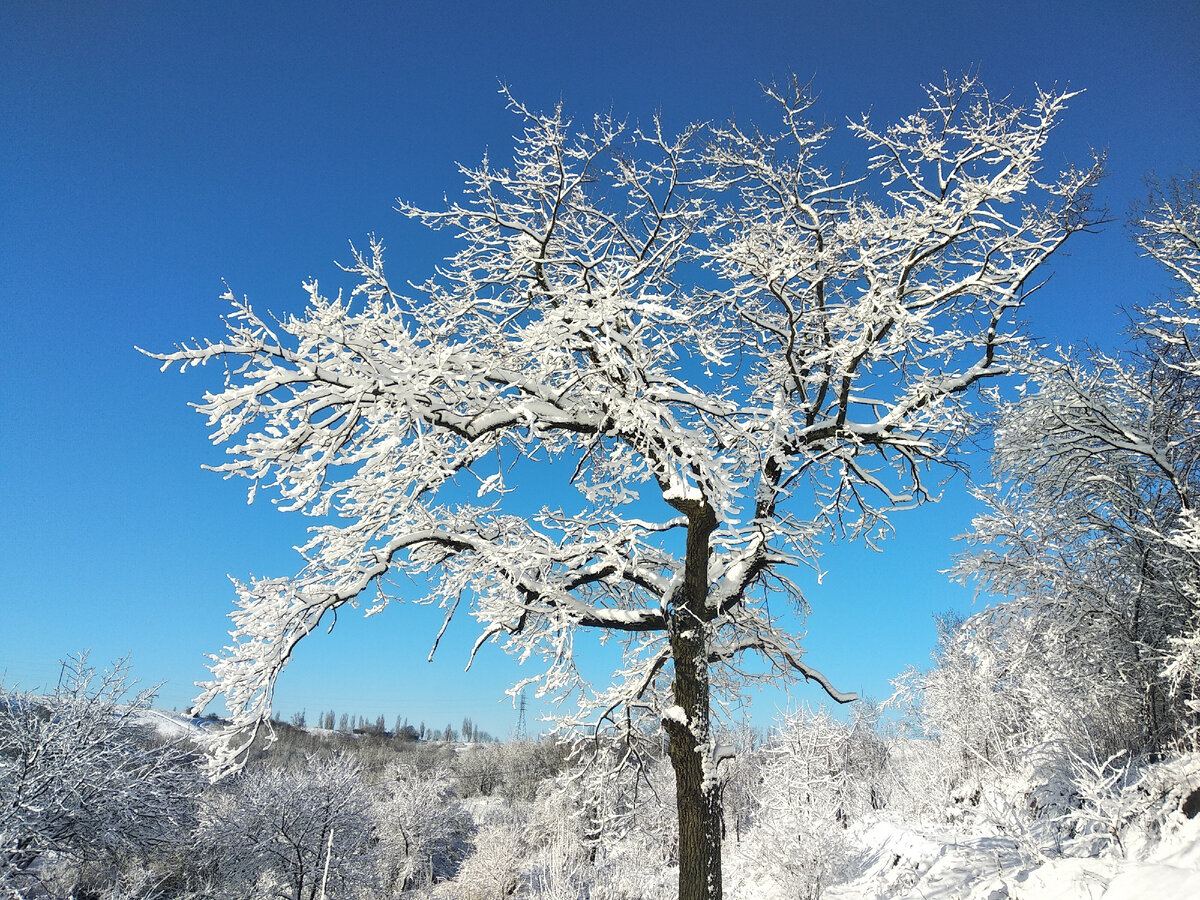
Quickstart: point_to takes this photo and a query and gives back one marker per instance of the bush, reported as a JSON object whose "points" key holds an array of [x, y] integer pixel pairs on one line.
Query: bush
{"points": [[84, 785], [425, 831], [274, 830]]}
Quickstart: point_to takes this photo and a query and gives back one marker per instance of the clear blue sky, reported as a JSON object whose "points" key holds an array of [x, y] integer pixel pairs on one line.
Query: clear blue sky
{"points": [[149, 150]]}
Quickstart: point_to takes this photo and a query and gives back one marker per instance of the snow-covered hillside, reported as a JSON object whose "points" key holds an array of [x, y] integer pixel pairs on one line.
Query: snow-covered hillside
{"points": [[170, 725]]}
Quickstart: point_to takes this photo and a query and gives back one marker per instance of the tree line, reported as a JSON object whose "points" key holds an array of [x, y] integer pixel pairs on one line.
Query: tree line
{"points": [[401, 730], [97, 806]]}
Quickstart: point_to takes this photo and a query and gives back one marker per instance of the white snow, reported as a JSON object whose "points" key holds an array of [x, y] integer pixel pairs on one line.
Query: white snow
{"points": [[675, 714], [169, 725], [1154, 882], [680, 490], [1158, 858]]}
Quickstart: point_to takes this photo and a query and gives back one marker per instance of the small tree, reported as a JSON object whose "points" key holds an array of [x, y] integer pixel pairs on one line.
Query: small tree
{"points": [[268, 832], [818, 776], [424, 828], [720, 349]]}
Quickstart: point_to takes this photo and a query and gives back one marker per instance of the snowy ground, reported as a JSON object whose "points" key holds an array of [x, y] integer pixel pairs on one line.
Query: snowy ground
{"points": [[1155, 856], [904, 864], [169, 725]]}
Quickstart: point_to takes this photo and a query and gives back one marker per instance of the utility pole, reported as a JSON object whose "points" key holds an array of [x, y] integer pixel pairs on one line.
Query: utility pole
{"points": [[519, 732]]}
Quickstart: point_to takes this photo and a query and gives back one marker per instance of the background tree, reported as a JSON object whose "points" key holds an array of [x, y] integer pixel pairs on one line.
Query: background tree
{"points": [[727, 351], [1088, 529]]}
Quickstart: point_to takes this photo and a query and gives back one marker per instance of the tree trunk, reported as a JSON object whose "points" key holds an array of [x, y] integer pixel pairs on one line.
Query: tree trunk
{"points": [[697, 791], [697, 796]]}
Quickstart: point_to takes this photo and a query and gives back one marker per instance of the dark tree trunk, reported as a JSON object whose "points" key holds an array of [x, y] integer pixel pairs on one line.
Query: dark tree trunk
{"points": [[697, 795], [697, 792]]}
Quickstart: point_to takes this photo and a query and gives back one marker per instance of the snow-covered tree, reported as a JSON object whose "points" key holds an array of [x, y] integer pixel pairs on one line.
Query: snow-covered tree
{"points": [[741, 778], [992, 729], [610, 825], [283, 832], [818, 776], [1168, 231], [493, 871], [718, 350], [81, 778], [424, 828], [1090, 518]]}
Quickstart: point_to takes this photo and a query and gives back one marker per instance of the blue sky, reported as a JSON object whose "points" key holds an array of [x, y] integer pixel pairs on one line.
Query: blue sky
{"points": [[150, 150]]}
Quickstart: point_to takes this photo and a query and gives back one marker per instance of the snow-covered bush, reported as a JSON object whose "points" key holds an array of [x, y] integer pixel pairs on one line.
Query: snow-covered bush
{"points": [[1105, 802], [424, 829], [273, 831], [478, 770], [818, 775], [559, 869], [628, 816], [602, 831], [83, 783], [967, 703], [1016, 732], [1182, 671], [493, 871], [1008, 700], [524, 765]]}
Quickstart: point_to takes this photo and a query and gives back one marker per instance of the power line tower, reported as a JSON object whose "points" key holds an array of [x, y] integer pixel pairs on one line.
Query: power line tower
{"points": [[519, 731]]}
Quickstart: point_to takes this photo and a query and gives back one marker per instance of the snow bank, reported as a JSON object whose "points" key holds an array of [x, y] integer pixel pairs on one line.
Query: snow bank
{"points": [[1155, 854], [1154, 882]]}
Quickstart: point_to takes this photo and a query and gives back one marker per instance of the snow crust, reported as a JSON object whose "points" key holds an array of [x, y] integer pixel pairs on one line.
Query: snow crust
{"points": [[170, 725]]}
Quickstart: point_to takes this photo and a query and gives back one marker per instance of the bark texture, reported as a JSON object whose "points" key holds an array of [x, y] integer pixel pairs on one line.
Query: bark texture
{"points": [[697, 794]]}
